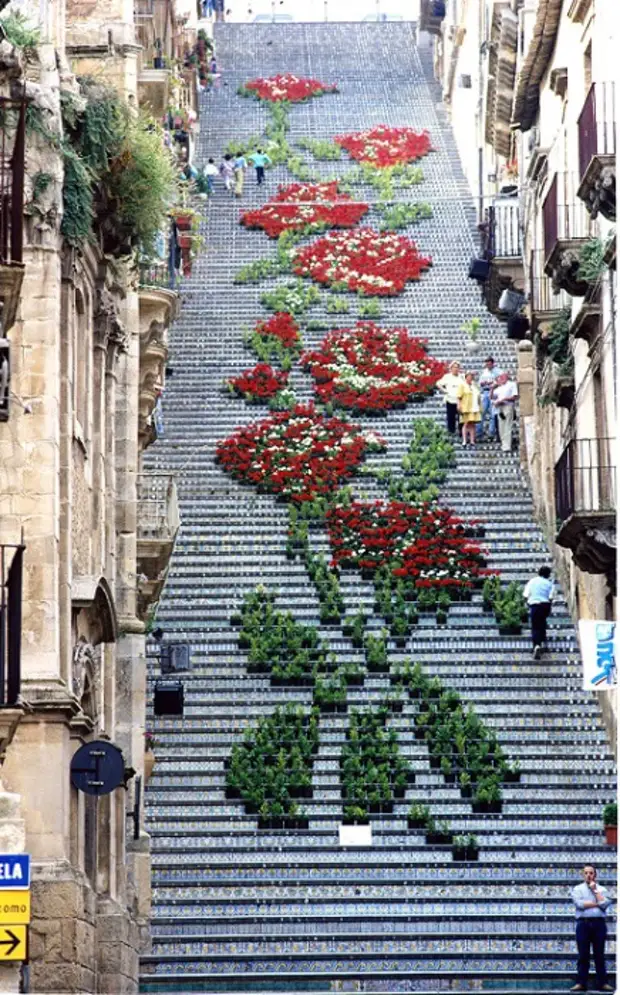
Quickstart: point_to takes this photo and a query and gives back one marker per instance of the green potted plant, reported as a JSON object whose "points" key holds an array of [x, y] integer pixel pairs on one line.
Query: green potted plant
{"points": [[472, 329], [419, 817], [465, 847], [439, 834], [610, 822]]}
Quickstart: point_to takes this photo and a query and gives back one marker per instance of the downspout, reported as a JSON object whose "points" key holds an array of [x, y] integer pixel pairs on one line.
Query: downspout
{"points": [[458, 41]]}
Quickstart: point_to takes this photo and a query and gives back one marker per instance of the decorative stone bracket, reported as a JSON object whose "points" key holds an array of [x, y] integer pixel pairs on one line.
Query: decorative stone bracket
{"points": [[157, 309], [592, 541], [563, 266]]}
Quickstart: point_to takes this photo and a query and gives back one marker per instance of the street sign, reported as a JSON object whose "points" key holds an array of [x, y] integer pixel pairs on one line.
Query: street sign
{"points": [[13, 943], [14, 907], [14, 870]]}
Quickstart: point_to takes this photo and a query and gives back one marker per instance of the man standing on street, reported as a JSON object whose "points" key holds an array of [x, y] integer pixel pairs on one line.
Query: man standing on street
{"points": [[538, 592], [488, 380], [591, 904], [503, 398]]}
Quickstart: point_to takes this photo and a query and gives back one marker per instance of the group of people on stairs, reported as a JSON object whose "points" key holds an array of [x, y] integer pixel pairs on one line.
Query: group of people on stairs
{"points": [[492, 397], [232, 171]]}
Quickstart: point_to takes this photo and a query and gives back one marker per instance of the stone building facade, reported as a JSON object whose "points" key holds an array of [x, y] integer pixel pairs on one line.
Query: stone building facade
{"points": [[86, 346], [538, 77]]}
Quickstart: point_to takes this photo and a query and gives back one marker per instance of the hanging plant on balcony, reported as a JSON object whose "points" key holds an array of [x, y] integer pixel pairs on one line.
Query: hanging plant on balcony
{"points": [[306, 207], [285, 87], [383, 146], [371, 369], [363, 261], [297, 454]]}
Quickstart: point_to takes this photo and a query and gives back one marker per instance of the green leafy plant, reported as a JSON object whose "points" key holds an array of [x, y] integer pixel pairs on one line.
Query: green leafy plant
{"points": [[337, 305], [591, 260], [19, 31], [294, 297], [472, 329], [327, 151], [395, 216], [371, 309], [610, 814]]}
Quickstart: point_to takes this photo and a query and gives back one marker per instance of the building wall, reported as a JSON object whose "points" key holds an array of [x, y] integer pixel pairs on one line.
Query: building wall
{"points": [[68, 481]]}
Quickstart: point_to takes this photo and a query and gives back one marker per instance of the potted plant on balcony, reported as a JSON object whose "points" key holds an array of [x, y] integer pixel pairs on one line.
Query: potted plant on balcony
{"points": [[149, 755], [610, 822]]}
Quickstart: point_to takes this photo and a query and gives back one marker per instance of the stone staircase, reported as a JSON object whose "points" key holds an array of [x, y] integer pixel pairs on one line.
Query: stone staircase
{"points": [[236, 909]]}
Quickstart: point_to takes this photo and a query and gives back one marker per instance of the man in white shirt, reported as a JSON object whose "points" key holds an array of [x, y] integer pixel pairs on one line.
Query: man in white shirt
{"points": [[591, 903], [538, 592], [488, 381], [504, 398]]}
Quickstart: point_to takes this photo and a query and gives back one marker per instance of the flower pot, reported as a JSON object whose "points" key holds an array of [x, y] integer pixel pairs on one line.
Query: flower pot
{"points": [[184, 241], [510, 630], [183, 222], [611, 835], [466, 790], [480, 807], [438, 839], [472, 347], [416, 823], [465, 853], [149, 764], [517, 327]]}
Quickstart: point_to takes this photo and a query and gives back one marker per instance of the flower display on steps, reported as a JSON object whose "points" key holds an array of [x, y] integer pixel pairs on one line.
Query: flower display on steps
{"points": [[258, 384], [371, 369], [364, 261], [279, 337], [306, 207], [384, 146], [426, 544], [286, 86], [297, 454]]}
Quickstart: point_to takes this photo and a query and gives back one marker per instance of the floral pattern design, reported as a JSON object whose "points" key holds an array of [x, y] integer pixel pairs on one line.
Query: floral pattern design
{"points": [[383, 146], [372, 369], [298, 454], [425, 544], [367, 261], [287, 86], [258, 384], [304, 207]]}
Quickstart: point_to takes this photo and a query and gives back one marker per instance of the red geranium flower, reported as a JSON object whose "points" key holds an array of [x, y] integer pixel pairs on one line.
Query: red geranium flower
{"points": [[372, 262], [281, 326], [288, 86], [259, 383], [382, 146], [303, 206], [371, 368], [426, 544], [299, 454]]}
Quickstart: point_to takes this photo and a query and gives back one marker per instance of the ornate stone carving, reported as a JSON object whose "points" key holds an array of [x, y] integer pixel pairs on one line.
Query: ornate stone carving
{"points": [[564, 268], [84, 659], [602, 194], [592, 541], [109, 330]]}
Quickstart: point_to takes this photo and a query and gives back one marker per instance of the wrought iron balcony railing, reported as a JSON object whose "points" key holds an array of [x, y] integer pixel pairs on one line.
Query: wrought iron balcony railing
{"points": [[565, 218], [585, 479], [502, 232], [596, 125], [544, 300]]}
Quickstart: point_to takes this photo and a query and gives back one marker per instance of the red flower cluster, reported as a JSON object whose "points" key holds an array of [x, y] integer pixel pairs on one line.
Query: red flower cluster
{"points": [[382, 146], [298, 454], [365, 260], [305, 205], [369, 368], [259, 383], [426, 544], [289, 87], [281, 326]]}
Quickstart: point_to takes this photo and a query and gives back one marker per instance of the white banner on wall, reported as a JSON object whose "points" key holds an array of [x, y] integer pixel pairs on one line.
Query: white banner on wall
{"points": [[599, 654]]}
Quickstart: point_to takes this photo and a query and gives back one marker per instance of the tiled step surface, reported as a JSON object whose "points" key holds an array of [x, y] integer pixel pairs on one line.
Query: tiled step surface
{"points": [[240, 910]]}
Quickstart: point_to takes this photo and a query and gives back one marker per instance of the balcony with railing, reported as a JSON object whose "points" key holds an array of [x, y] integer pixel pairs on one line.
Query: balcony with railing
{"points": [[158, 300], [12, 172], [585, 501], [545, 302], [566, 227], [158, 525], [596, 130], [501, 243]]}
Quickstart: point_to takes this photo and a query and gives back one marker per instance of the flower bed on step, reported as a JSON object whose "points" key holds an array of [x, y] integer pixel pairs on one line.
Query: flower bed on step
{"points": [[369, 368], [425, 544], [383, 146], [258, 384], [286, 86], [365, 260], [297, 454], [305, 207]]}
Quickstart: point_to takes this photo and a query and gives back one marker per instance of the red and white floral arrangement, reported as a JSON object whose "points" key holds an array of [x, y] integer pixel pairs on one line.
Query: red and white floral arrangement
{"points": [[368, 368], [305, 206], [258, 384], [298, 454], [287, 86], [425, 544], [382, 146], [367, 261]]}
